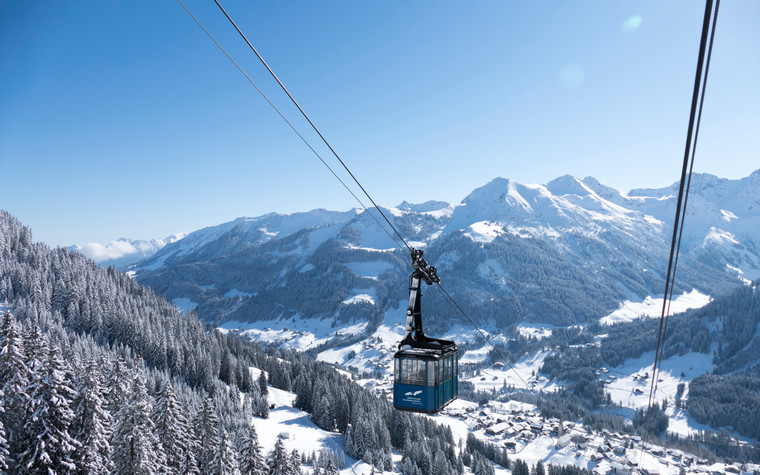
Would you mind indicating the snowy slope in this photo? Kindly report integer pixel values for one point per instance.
(723, 218)
(652, 307)
(297, 431)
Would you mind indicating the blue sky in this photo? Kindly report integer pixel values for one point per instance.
(122, 118)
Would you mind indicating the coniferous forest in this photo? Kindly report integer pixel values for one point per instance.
(101, 375)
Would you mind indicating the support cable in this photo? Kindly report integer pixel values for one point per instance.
(482, 334)
(682, 192)
(311, 123)
(303, 139)
(688, 184)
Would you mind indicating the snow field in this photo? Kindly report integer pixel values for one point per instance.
(373, 353)
(527, 367)
(651, 307)
(311, 332)
(297, 431)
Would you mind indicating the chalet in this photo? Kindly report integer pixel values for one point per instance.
(497, 428)
(475, 425)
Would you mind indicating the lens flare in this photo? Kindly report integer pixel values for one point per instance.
(632, 24)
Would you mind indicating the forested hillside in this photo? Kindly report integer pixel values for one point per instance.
(728, 328)
(120, 380)
(101, 375)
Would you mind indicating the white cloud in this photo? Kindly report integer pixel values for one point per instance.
(113, 250)
(632, 24)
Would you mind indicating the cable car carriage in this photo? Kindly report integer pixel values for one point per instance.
(425, 369)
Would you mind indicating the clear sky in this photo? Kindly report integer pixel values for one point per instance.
(122, 119)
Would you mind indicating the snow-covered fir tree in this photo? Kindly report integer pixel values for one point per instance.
(206, 425)
(295, 462)
(51, 447)
(279, 461)
(14, 381)
(172, 427)
(118, 385)
(263, 383)
(136, 449)
(252, 461)
(225, 458)
(190, 464)
(4, 453)
(330, 468)
(92, 423)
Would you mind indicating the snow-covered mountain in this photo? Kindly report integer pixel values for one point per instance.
(561, 253)
(723, 218)
(123, 251)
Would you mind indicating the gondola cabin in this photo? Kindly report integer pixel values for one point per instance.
(425, 370)
(425, 380)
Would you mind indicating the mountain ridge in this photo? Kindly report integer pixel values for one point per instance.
(562, 253)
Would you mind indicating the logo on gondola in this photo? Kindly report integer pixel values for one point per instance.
(415, 393)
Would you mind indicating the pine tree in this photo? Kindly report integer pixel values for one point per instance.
(279, 462)
(15, 378)
(189, 465)
(263, 383)
(295, 462)
(330, 468)
(303, 389)
(52, 446)
(342, 412)
(206, 424)
(251, 459)
(171, 426)
(225, 460)
(35, 349)
(4, 453)
(520, 468)
(136, 449)
(92, 423)
(323, 414)
(225, 368)
(261, 406)
(118, 385)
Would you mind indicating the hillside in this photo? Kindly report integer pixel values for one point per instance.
(156, 364)
(109, 377)
(101, 375)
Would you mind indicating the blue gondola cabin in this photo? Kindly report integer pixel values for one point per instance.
(425, 380)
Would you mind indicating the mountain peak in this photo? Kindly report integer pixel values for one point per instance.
(567, 185)
(494, 190)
